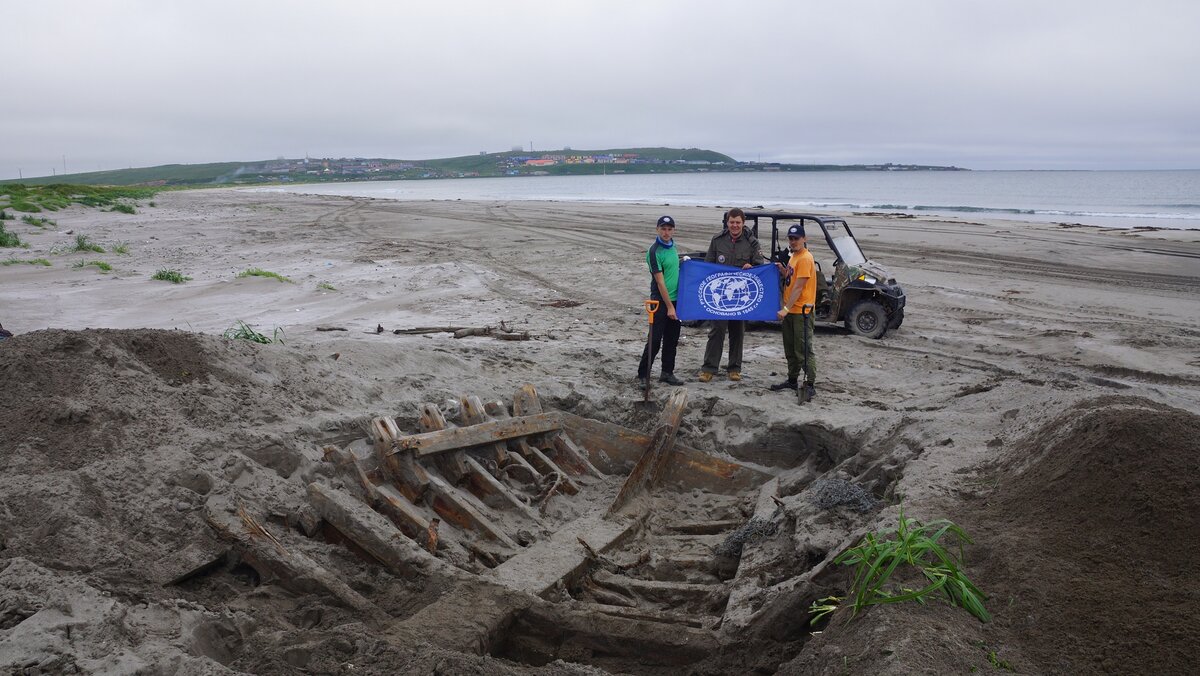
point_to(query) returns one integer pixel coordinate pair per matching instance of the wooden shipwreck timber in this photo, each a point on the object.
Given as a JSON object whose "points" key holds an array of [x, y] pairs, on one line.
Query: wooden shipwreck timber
{"points": [[559, 536]]}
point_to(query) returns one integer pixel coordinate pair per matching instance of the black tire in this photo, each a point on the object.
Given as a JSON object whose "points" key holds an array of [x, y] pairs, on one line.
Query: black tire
{"points": [[868, 318], [897, 319]]}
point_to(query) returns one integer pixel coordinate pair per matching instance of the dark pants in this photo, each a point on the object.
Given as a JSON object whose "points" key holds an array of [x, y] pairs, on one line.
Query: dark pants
{"points": [[666, 335], [798, 347], [716, 341]]}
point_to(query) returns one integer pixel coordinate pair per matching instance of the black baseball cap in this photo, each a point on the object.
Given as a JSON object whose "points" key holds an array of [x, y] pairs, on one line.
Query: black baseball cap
{"points": [[665, 220], [796, 231]]}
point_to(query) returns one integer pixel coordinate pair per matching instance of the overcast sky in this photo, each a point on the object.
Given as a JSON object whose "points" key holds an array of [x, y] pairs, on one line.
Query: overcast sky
{"points": [[1063, 84]]}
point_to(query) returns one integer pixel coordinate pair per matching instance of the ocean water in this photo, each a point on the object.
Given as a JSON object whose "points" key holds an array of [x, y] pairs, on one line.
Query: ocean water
{"points": [[1120, 199]]}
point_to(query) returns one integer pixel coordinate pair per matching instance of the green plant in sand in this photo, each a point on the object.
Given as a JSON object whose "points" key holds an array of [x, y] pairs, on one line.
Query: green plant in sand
{"points": [[259, 272], [84, 243], [173, 276], [823, 607], [39, 222], [120, 248], [326, 286], [104, 267], [30, 261], [9, 238], [916, 545], [243, 331]]}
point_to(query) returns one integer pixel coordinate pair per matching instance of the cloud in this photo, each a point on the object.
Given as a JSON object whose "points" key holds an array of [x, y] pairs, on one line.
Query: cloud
{"points": [[1014, 84]]}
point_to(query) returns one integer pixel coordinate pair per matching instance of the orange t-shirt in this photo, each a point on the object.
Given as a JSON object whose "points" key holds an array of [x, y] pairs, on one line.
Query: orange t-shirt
{"points": [[801, 267]]}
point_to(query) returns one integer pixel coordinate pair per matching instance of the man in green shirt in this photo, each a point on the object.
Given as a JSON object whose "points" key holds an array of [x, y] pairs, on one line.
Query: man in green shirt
{"points": [[663, 261]]}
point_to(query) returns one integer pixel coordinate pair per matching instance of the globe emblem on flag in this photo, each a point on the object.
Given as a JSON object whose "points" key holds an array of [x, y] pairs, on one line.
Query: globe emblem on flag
{"points": [[730, 294]]}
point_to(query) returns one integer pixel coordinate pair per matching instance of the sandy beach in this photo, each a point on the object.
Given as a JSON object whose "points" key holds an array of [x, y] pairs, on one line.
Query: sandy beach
{"points": [[1043, 392]]}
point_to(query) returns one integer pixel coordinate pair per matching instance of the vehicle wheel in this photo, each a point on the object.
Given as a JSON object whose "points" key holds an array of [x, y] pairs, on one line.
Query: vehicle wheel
{"points": [[897, 319], [868, 318]]}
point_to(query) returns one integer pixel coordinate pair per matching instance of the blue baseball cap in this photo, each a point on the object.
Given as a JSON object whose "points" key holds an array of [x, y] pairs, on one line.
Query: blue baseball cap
{"points": [[665, 220], [796, 231]]}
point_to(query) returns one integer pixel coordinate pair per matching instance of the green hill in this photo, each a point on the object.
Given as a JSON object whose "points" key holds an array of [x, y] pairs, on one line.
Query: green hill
{"points": [[512, 163], [267, 171]]}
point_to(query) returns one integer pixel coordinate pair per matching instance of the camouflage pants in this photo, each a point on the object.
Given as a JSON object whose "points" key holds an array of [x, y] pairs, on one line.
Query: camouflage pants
{"points": [[798, 347]]}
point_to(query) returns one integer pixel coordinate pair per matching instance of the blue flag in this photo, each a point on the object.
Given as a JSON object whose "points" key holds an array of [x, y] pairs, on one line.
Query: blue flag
{"points": [[711, 291]]}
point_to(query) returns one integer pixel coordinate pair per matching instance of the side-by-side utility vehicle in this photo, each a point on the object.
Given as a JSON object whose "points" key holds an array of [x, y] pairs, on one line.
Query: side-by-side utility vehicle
{"points": [[859, 294]]}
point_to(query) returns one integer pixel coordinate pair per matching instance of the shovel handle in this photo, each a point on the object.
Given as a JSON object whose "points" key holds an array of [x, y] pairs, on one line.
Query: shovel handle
{"points": [[651, 308]]}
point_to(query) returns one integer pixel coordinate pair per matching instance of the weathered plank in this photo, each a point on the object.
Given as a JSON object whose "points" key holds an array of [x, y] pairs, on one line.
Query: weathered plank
{"points": [[578, 457], [648, 614], [569, 455], [398, 467], [534, 456], [376, 534], [473, 413], [452, 464], [616, 449], [455, 508], [652, 464], [429, 443], [291, 569], [539, 567], [706, 527], [500, 489], [662, 591]]}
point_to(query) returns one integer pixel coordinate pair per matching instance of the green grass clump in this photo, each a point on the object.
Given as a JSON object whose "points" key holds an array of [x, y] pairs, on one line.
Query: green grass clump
{"points": [[916, 545], [39, 222], [326, 286], [30, 261], [35, 198], [120, 248], [257, 272], [84, 243], [9, 238], [124, 208], [104, 267], [243, 331], [173, 276]]}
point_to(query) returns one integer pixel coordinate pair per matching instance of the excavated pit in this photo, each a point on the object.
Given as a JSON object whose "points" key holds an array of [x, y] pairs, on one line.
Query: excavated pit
{"points": [[207, 497]]}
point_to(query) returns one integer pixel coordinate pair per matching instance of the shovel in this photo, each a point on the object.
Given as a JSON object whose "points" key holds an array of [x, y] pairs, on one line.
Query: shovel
{"points": [[651, 308]]}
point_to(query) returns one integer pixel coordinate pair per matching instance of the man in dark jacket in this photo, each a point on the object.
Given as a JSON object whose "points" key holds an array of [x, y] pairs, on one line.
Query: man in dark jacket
{"points": [[735, 247]]}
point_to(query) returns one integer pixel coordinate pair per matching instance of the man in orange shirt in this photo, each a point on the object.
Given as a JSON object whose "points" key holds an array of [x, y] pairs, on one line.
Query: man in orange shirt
{"points": [[799, 299]]}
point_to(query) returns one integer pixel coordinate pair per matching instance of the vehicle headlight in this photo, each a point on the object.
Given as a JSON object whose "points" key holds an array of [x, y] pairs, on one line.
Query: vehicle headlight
{"points": [[867, 278]]}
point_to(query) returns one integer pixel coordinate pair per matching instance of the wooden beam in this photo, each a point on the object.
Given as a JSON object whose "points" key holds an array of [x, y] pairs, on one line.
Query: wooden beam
{"points": [[650, 467], [500, 489], [660, 591], [291, 569], [454, 507], [706, 527], [376, 534], [453, 465], [534, 457], [570, 456], [578, 457], [648, 614], [473, 413], [542, 565], [400, 468], [441, 441]]}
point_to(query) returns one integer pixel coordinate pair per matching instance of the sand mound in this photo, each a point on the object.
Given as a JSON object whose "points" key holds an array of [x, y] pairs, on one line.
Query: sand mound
{"points": [[1087, 541], [1093, 539]]}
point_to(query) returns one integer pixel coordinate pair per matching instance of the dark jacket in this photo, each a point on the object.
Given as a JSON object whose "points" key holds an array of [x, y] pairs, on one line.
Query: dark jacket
{"points": [[722, 249]]}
